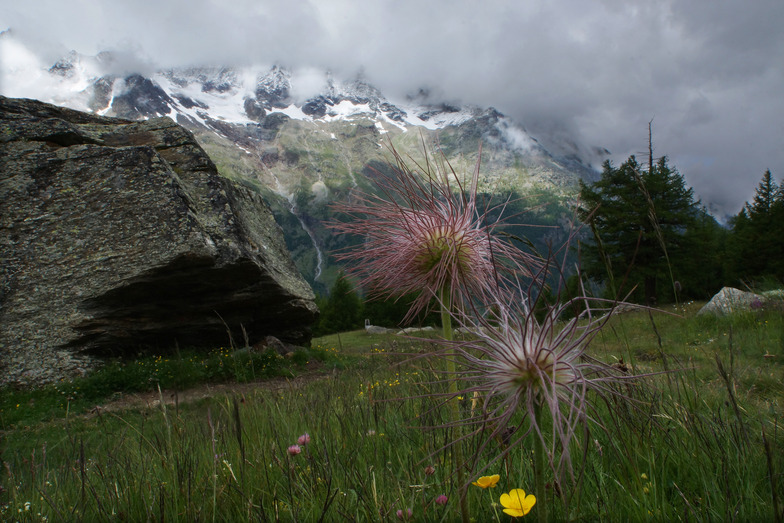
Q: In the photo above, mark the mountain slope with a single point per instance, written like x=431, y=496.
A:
x=306, y=139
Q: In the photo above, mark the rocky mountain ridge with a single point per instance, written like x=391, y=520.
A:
x=206, y=96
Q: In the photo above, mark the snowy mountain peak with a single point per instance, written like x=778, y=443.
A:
x=65, y=66
x=212, y=98
x=210, y=79
x=274, y=88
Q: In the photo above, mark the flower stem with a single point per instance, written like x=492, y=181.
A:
x=539, y=464
x=462, y=484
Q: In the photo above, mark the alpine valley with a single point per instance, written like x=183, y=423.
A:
x=305, y=139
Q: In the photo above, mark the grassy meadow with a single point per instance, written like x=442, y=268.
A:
x=701, y=439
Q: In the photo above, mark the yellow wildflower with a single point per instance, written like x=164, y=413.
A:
x=516, y=503
x=487, y=481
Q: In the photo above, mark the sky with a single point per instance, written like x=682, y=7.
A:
x=708, y=73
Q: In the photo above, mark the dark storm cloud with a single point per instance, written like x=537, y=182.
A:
x=709, y=73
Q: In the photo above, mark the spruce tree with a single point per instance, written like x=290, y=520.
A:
x=639, y=221
x=342, y=310
x=757, y=244
x=701, y=268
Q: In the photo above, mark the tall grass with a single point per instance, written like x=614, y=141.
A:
x=701, y=443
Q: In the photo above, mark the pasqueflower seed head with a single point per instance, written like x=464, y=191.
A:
x=423, y=233
x=520, y=364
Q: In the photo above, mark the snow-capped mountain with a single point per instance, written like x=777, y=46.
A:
x=211, y=97
x=305, y=138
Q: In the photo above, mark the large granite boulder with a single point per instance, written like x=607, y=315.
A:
x=117, y=235
x=730, y=300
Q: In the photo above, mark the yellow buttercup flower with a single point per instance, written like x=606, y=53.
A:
x=516, y=503
x=487, y=481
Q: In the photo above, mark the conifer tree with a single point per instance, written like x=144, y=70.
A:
x=342, y=310
x=639, y=220
x=701, y=269
x=757, y=245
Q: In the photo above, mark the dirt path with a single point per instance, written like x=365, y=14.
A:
x=152, y=399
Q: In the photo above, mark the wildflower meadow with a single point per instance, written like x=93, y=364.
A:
x=526, y=403
x=700, y=444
